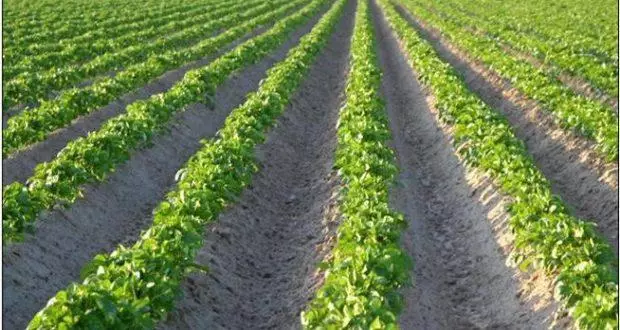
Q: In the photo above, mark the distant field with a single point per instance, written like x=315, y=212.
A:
x=316, y=164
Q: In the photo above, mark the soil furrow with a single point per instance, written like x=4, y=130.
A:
x=115, y=211
x=20, y=166
x=457, y=221
x=263, y=252
x=576, y=173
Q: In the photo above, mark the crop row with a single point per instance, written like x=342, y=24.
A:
x=46, y=23
x=67, y=30
x=25, y=18
x=540, y=28
x=28, y=9
x=115, y=35
x=92, y=158
x=30, y=87
x=22, y=10
x=136, y=286
x=547, y=236
x=367, y=266
x=561, y=22
x=33, y=125
x=574, y=14
x=587, y=117
x=592, y=19
x=590, y=68
x=38, y=57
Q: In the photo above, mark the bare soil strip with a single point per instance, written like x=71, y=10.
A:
x=457, y=232
x=577, y=174
x=20, y=166
x=117, y=210
x=263, y=252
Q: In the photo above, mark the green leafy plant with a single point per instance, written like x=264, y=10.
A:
x=367, y=266
x=30, y=87
x=47, y=29
x=561, y=54
x=136, y=286
x=586, y=117
x=36, y=124
x=58, y=54
x=547, y=236
x=92, y=158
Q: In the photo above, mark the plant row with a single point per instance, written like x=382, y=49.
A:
x=16, y=28
x=547, y=236
x=598, y=40
x=587, y=117
x=591, y=31
x=597, y=73
x=33, y=125
x=579, y=40
x=26, y=11
x=31, y=87
x=83, y=47
x=110, y=18
x=92, y=158
x=135, y=287
x=367, y=267
x=26, y=18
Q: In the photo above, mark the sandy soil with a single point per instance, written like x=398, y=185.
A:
x=20, y=166
x=457, y=231
x=263, y=251
x=576, y=172
x=115, y=211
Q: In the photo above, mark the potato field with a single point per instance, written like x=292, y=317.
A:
x=310, y=164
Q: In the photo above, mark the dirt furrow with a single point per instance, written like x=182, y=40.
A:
x=457, y=222
x=115, y=211
x=576, y=173
x=20, y=166
x=263, y=252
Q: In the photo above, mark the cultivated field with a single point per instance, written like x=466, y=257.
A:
x=318, y=164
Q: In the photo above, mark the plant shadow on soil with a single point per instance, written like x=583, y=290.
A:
x=115, y=211
x=20, y=165
x=577, y=174
x=263, y=252
x=458, y=233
